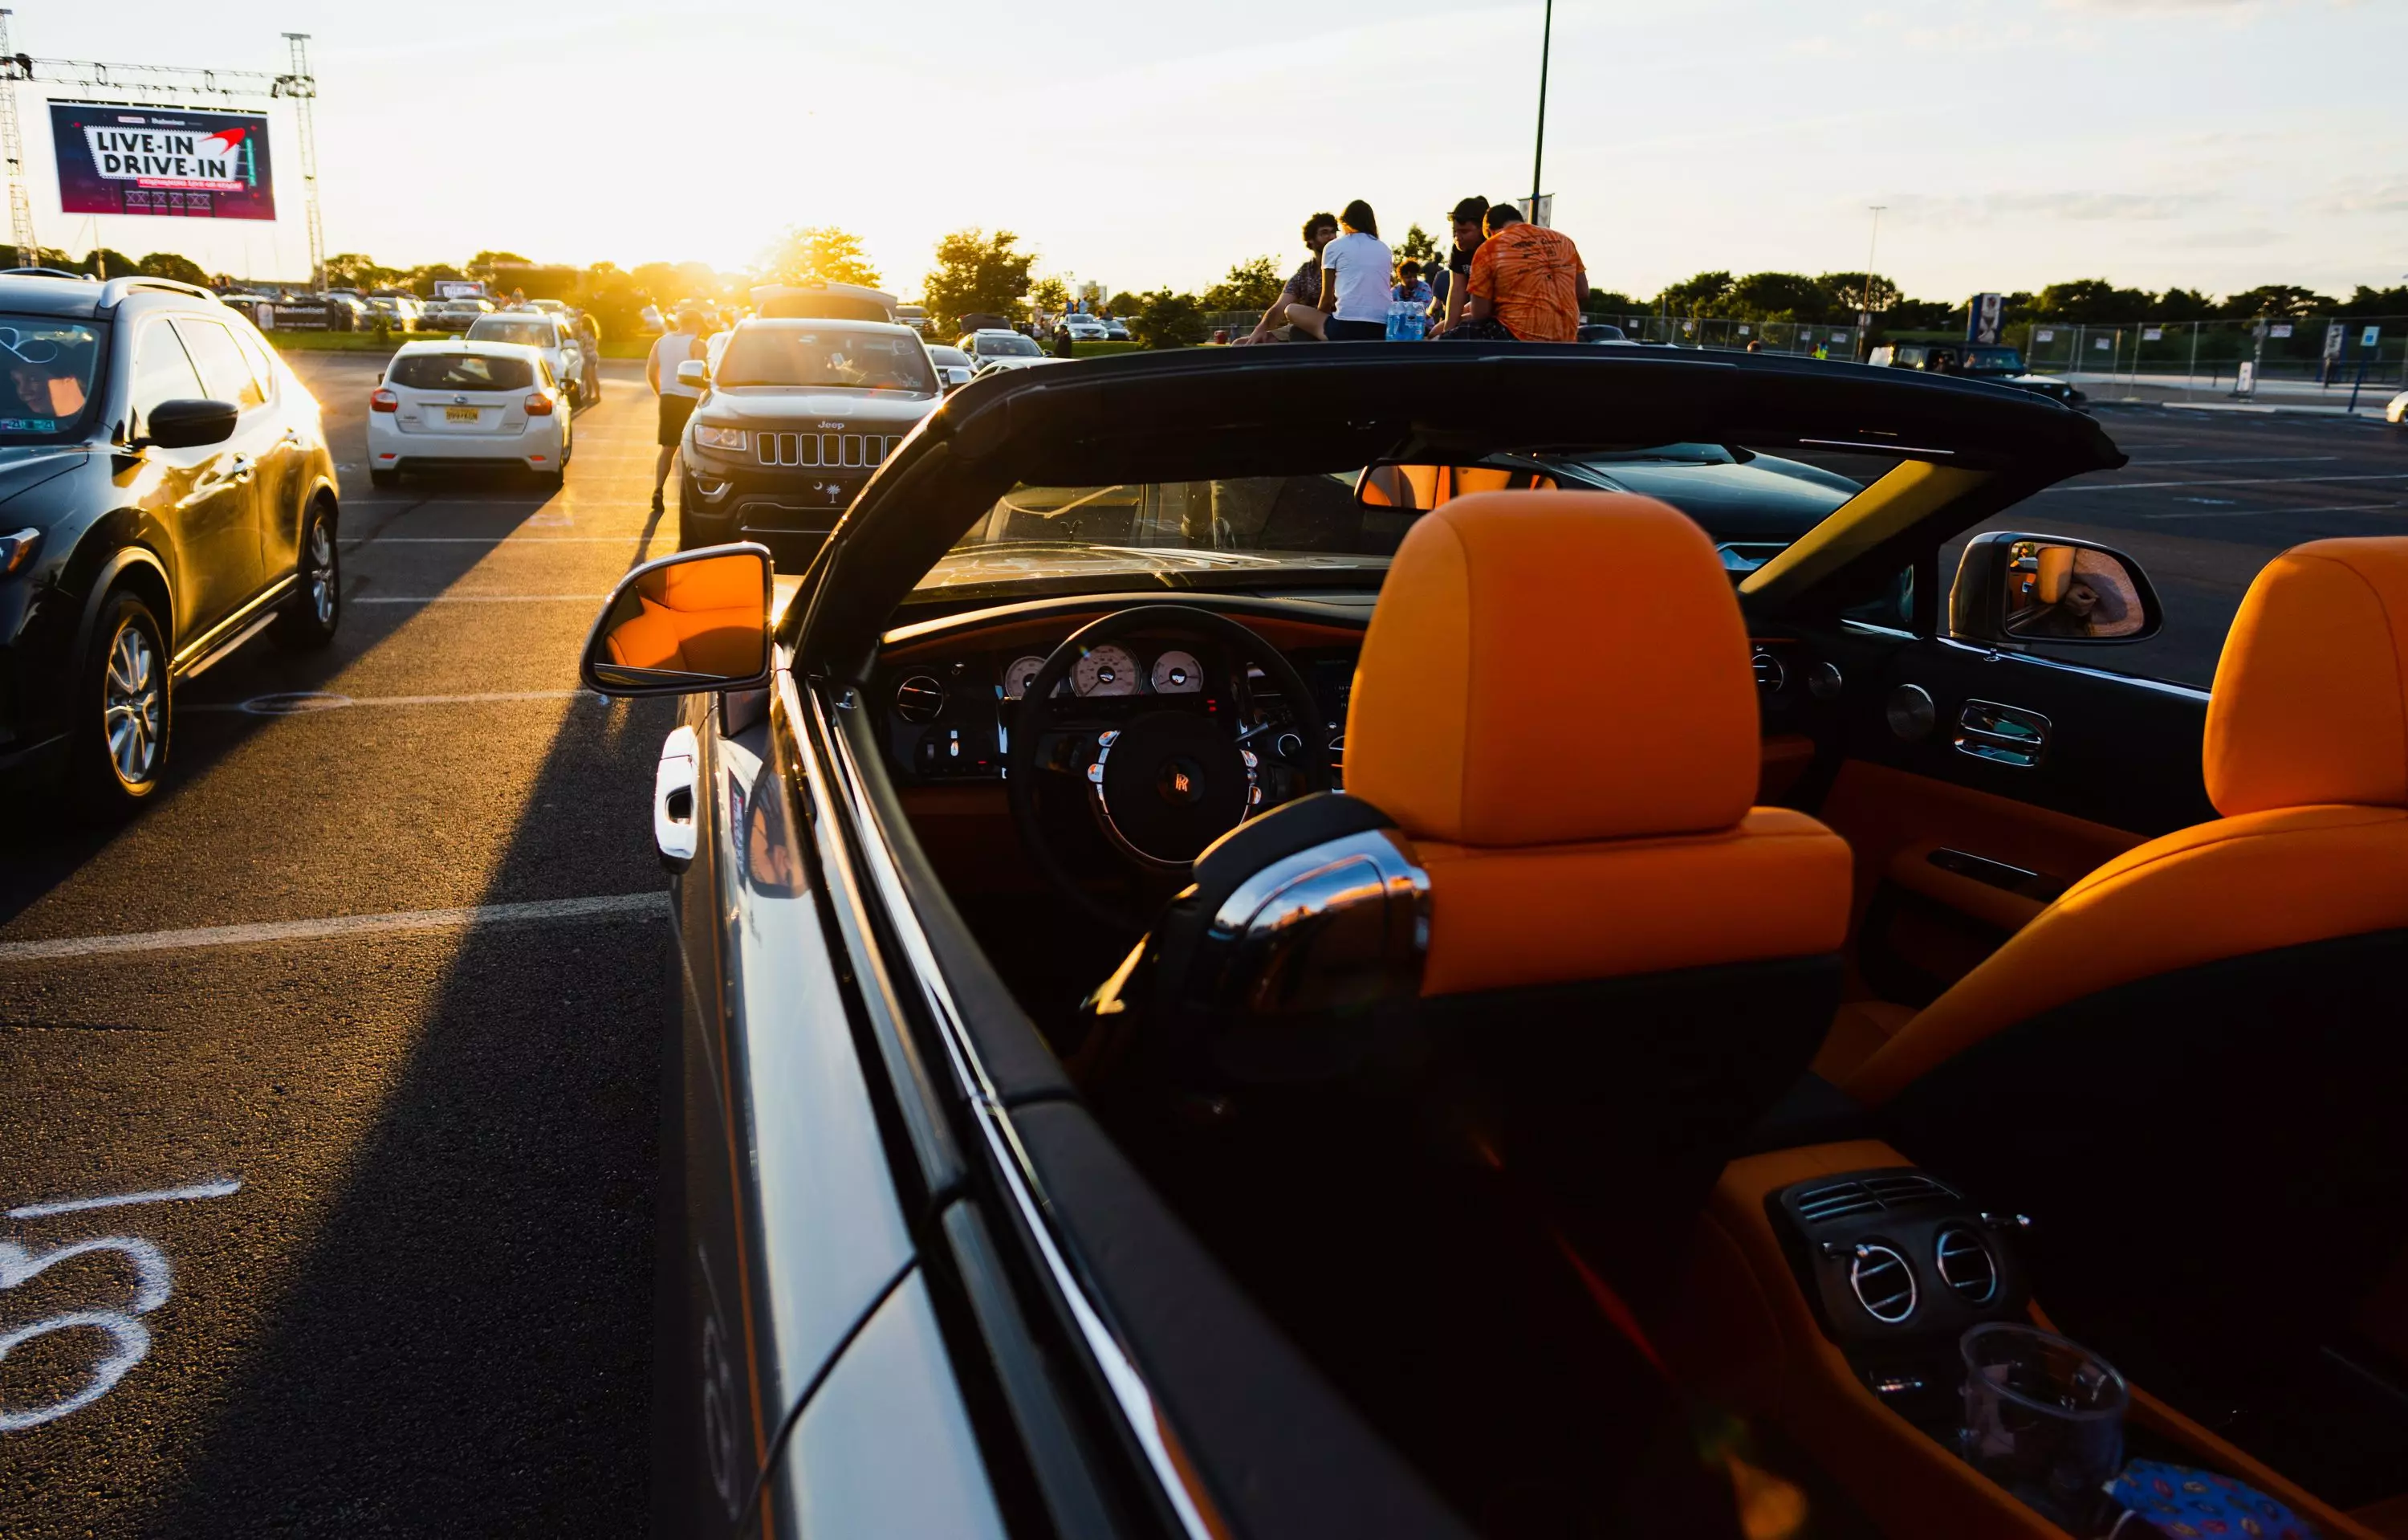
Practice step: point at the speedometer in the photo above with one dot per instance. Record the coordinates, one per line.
(1016, 678)
(1178, 673)
(1106, 669)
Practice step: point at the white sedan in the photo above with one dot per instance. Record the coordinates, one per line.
(1087, 328)
(546, 333)
(2398, 410)
(444, 405)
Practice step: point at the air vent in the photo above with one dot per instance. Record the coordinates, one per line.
(1965, 1264)
(1769, 675)
(919, 698)
(1883, 1282)
(1868, 1195)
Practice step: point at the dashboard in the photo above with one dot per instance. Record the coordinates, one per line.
(949, 705)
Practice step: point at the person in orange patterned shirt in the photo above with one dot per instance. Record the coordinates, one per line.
(1527, 283)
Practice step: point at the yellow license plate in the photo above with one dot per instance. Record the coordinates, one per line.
(460, 414)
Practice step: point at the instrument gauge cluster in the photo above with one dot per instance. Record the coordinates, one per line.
(1106, 669)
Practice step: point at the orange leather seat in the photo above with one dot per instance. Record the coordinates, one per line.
(1555, 704)
(2210, 1025)
(698, 617)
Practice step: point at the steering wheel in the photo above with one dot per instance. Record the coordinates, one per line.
(1162, 783)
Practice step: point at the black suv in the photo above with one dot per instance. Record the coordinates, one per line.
(165, 495)
(795, 416)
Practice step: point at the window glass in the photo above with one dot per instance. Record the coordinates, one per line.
(49, 365)
(225, 371)
(526, 334)
(798, 353)
(460, 371)
(263, 363)
(161, 371)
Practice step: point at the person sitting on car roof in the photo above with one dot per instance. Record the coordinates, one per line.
(1527, 283)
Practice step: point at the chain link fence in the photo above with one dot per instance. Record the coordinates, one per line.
(2325, 354)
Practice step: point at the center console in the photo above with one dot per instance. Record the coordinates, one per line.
(1825, 1294)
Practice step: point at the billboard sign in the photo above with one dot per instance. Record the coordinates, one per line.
(1984, 318)
(126, 158)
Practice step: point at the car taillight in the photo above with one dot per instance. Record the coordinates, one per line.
(383, 400)
(538, 404)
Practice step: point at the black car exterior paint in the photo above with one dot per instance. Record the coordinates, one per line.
(207, 536)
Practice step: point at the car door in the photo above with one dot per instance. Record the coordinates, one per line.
(198, 496)
(1974, 781)
(247, 457)
(280, 479)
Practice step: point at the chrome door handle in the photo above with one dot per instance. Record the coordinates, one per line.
(2004, 735)
(239, 469)
(675, 828)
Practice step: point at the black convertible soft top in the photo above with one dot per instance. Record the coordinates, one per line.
(1292, 410)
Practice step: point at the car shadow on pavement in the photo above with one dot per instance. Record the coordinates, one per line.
(462, 1345)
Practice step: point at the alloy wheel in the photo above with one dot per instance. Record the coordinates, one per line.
(322, 572)
(131, 704)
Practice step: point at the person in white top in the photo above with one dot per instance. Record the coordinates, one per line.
(682, 341)
(1357, 271)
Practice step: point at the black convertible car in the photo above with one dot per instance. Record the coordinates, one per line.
(1268, 948)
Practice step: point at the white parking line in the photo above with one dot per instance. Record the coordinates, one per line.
(308, 702)
(2261, 512)
(497, 540)
(643, 905)
(476, 598)
(224, 1187)
(2228, 481)
(2244, 460)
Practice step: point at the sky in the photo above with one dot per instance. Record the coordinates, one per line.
(2212, 144)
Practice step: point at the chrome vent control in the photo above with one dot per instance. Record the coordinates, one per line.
(919, 698)
(1770, 677)
(1883, 1282)
(1964, 1263)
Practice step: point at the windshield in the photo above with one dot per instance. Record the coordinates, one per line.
(461, 371)
(526, 334)
(1009, 344)
(1994, 360)
(824, 359)
(950, 358)
(51, 365)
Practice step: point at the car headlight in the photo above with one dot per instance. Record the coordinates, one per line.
(735, 440)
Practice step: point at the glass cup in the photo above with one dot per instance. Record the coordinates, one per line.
(2043, 1419)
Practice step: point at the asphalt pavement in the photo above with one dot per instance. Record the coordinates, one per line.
(361, 1022)
(2208, 499)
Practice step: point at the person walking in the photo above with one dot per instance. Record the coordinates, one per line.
(1469, 233)
(1303, 288)
(682, 341)
(1527, 283)
(1357, 274)
(589, 342)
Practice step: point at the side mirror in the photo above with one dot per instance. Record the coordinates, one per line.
(687, 623)
(695, 372)
(189, 424)
(2023, 588)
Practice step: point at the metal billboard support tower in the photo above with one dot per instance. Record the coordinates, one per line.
(303, 88)
(167, 85)
(13, 67)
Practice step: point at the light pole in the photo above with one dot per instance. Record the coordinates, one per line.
(1865, 315)
(1538, 154)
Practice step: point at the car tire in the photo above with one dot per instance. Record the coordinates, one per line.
(378, 476)
(316, 608)
(124, 709)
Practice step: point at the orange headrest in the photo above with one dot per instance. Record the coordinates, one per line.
(2055, 565)
(1548, 667)
(2311, 702)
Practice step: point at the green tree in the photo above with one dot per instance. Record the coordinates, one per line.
(2276, 299)
(1844, 295)
(976, 273)
(1417, 246)
(818, 254)
(2366, 301)
(351, 270)
(2183, 305)
(483, 261)
(1165, 319)
(1777, 296)
(1251, 286)
(2093, 301)
(102, 261)
(1609, 303)
(183, 269)
(422, 281)
(1050, 295)
(1703, 294)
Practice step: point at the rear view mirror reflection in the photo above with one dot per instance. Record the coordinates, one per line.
(694, 622)
(2068, 593)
